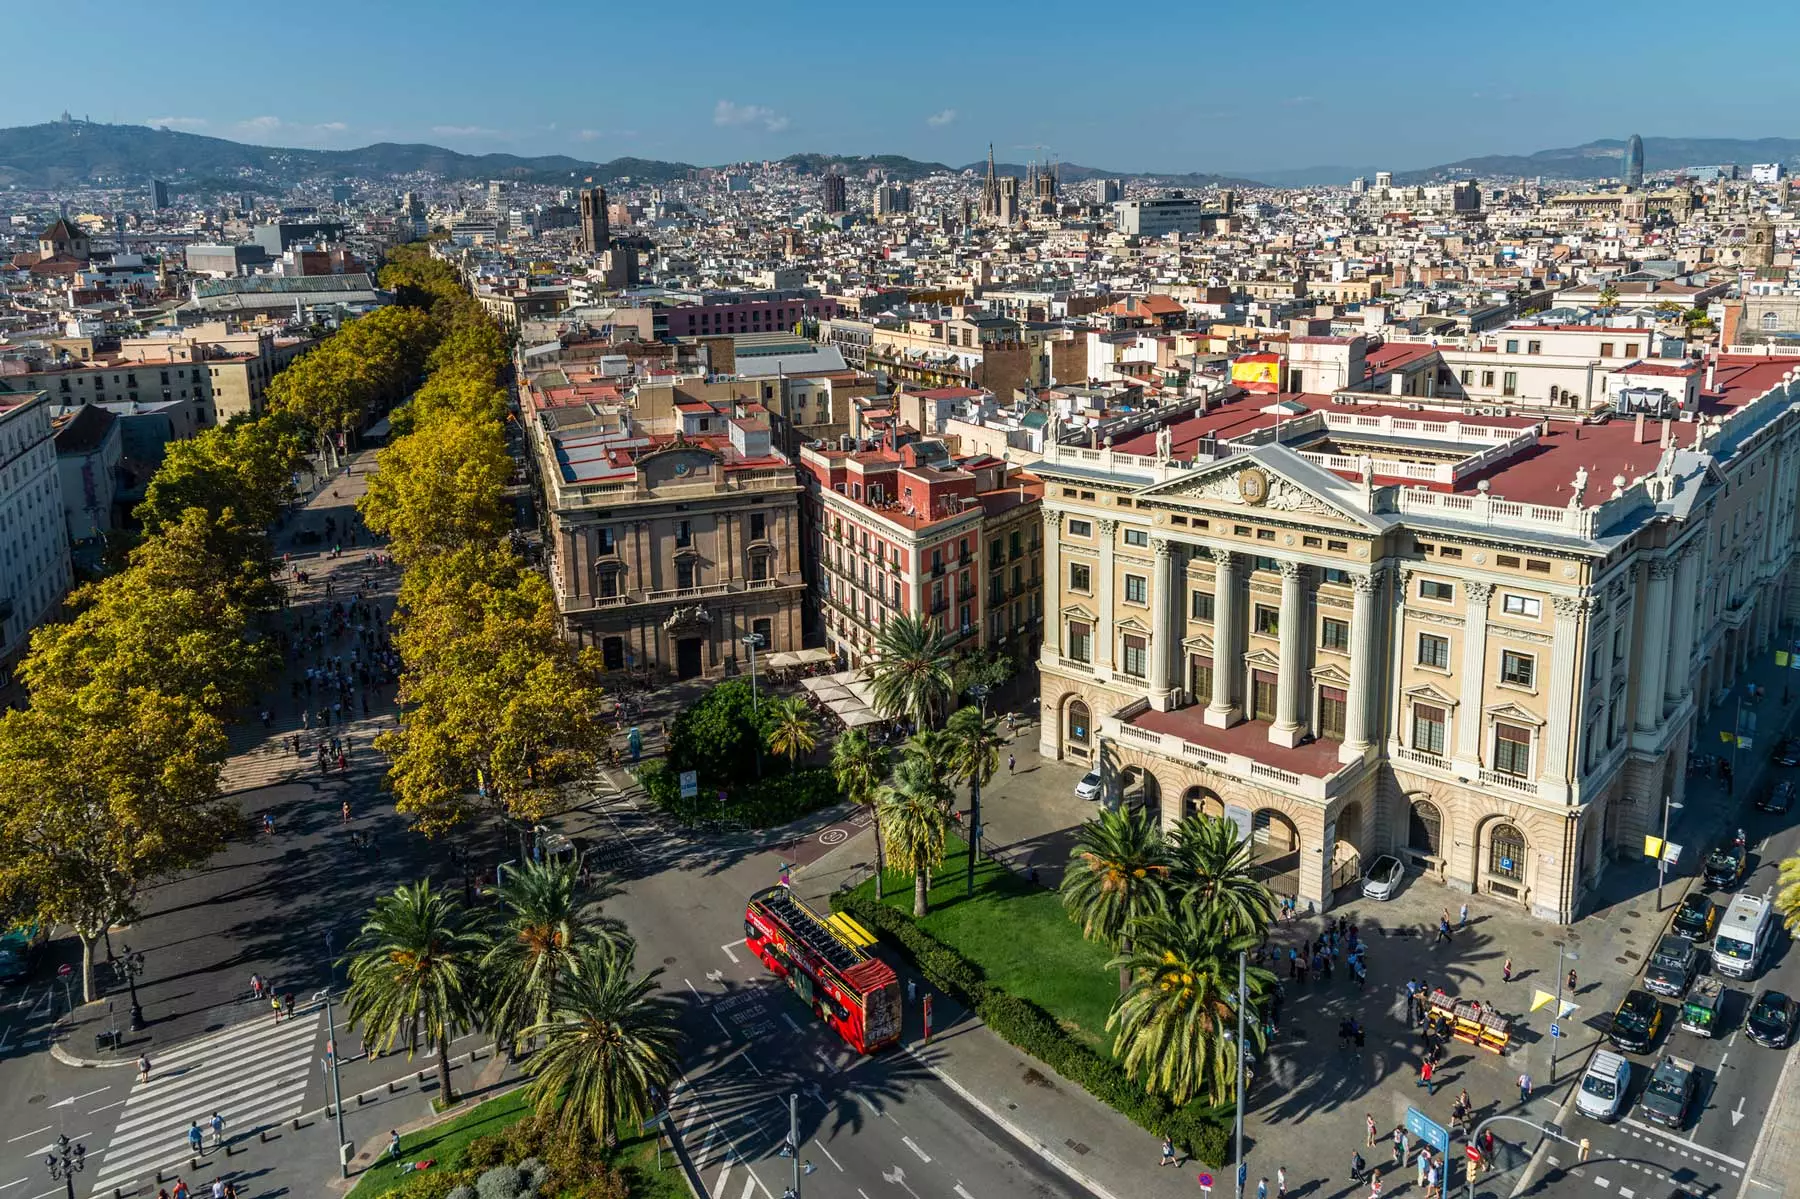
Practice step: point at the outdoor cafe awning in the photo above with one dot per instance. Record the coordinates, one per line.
(797, 657)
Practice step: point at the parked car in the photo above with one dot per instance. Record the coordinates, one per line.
(1778, 798)
(1771, 1020)
(1673, 964)
(1787, 752)
(1670, 1092)
(1695, 916)
(1383, 877)
(1603, 1086)
(20, 950)
(1724, 867)
(1636, 1023)
(1089, 786)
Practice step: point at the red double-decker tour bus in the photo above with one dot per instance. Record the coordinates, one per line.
(823, 960)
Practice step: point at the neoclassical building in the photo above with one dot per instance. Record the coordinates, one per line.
(1481, 642)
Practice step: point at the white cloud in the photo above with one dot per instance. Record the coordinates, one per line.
(595, 135)
(301, 132)
(729, 114)
(464, 131)
(177, 122)
(261, 124)
(331, 127)
(938, 120)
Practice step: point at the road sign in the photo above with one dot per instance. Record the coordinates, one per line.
(1206, 1180)
(1473, 1152)
(1428, 1130)
(1555, 1030)
(690, 784)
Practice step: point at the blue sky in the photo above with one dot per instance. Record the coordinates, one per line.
(1225, 88)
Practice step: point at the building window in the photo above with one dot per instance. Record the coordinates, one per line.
(1606, 349)
(1434, 651)
(1432, 589)
(1467, 377)
(1332, 708)
(759, 568)
(1509, 383)
(1518, 669)
(1512, 749)
(609, 583)
(1512, 345)
(1534, 347)
(1137, 537)
(1428, 729)
(1078, 723)
(1262, 695)
(1506, 852)
(1081, 577)
(684, 575)
(1200, 676)
(1134, 656)
(1136, 589)
(612, 653)
(1334, 634)
(759, 524)
(1268, 620)
(607, 545)
(1487, 378)
(684, 534)
(1521, 605)
(1425, 829)
(1333, 574)
(1081, 642)
(1200, 605)
(1631, 349)
(1081, 528)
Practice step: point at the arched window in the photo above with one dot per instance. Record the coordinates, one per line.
(1201, 801)
(1425, 829)
(1506, 852)
(1079, 733)
(1771, 321)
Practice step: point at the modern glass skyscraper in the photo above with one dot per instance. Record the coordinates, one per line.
(1634, 161)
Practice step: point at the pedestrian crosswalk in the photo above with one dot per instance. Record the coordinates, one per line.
(253, 1074)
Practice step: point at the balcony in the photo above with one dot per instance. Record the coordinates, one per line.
(1311, 771)
(1512, 782)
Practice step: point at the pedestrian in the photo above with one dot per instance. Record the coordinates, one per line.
(1425, 1075)
(1463, 922)
(1356, 1033)
(1262, 1188)
(1357, 1165)
(275, 1003)
(1375, 1184)
(346, 810)
(218, 1188)
(218, 1130)
(1168, 1152)
(1524, 1087)
(1443, 933)
(1371, 1123)
(1506, 971)
(1011, 762)
(143, 1067)
(194, 1136)
(269, 823)
(1281, 1182)
(1423, 1163)
(1431, 1180)
(181, 1189)
(1400, 1146)
(287, 1004)
(394, 1146)
(1572, 987)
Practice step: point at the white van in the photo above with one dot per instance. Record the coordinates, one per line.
(1603, 1086)
(1745, 936)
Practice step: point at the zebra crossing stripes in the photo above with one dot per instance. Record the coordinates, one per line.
(254, 1074)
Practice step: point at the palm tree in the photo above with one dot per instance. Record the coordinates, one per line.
(932, 747)
(1214, 876)
(536, 941)
(1609, 298)
(790, 725)
(609, 1046)
(859, 765)
(975, 743)
(412, 967)
(1177, 1022)
(915, 819)
(1117, 876)
(911, 669)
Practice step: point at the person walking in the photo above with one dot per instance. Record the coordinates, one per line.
(1423, 1162)
(143, 1067)
(1427, 1077)
(1572, 987)
(1375, 1184)
(1011, 764)
(1463, 920)
(1524, 1087)
(218, 1188)
(1262, 1188)
(1506, 971)
(1400, 1146)
(194, 1136)
(1443, 933)
(218, 1130)
(394, 1146)
(275, 1004)
(1281, 1182)
(1168, 1152)
(181, 1189)
(1371, 1123)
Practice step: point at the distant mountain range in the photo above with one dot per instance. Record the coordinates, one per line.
(77, 153)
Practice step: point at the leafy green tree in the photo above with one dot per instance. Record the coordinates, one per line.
(246, 468)
(536, 941)
(914, 811)
(1609, 298)
(981, 668)
(1787, 892)
(911, 670)
(1214, 875)
(790, 727)
(1176, 1023)
(440, 488)
(718, 735)
(609, 1046)
(1118, 875)
(415, 967)
(859, 765)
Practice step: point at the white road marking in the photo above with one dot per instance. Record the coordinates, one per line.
(729, 954)
(92, 1093)
(748, 1061)
(1627, 1193)
(1602, 1183)
(923, 1156)
(718, 1188)
(958, 1188)
(790, 1022)
(827, 1153)
(15, 1182)
(1669, 1136)
(32, 1133)
(749, 1187)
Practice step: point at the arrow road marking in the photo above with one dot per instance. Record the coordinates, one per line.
(713, 976)
(729, 954)
(1737, 1112)
(898, 1177)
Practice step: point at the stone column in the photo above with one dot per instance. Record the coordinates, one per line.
(1222, 712)
(1473, 672)
(1053, 584)
(1656, 620)
(1357, 730)
(1106, 635)
(1553, 755)
(1397, 729)
(1161, 628)
(1287, 729)
(1678, 671)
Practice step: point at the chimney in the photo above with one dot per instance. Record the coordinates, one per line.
(1637, 434)
(1711, 368)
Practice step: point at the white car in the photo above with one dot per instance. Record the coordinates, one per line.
(1381, 880)
(1603, 1086)
(1089, 786)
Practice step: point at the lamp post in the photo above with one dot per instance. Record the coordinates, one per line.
(1563, 954)
(979, 691)
(752, 641)
(337, 1093)
(1662, 856)
(132, 965)
(65, 1160)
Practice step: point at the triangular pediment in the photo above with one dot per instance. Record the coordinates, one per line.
(1426, 693)
(1332, 673)
(1199, 643)
(1514, 714)
(1264, 659)
(1078, 612)
(1273, 479)
(1132, 624)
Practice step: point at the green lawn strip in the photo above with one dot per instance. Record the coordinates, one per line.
(1021, 937)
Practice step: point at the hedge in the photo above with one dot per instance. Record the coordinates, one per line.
(767, 802)
(1029, 1028)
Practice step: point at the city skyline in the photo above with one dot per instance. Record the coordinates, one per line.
(1217, 110)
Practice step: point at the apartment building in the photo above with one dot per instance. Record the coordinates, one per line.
(900, 527)
(224, 371)
(1481, 643)
(35, 570)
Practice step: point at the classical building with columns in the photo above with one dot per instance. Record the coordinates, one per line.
(1479, 642)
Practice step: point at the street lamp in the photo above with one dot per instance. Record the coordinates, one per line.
(337, 1093)
(1662, 857)
(753, 640)
(979, 691)
(132, 965)
(1563, 954)
(65, 1161)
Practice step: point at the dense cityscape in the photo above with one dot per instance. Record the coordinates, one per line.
(854, 676)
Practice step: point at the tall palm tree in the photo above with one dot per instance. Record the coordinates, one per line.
(859, 765)
(975, 743)
(1214, 876)
(932, 747)
(609, 1046)
(535, 941)
(790, 725)
(1177, 1022)
(915, 819)
(414, 966)
(1117, 876)
(911, 669)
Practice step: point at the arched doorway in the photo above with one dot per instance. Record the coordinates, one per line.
(1425, 830)
(1503, 850)
(1202, 801)
(1275, 851)
(1078, 731)
(1138, 788)
(1346, 846)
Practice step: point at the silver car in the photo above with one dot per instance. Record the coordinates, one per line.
(1382, 879)
(1089, 786)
